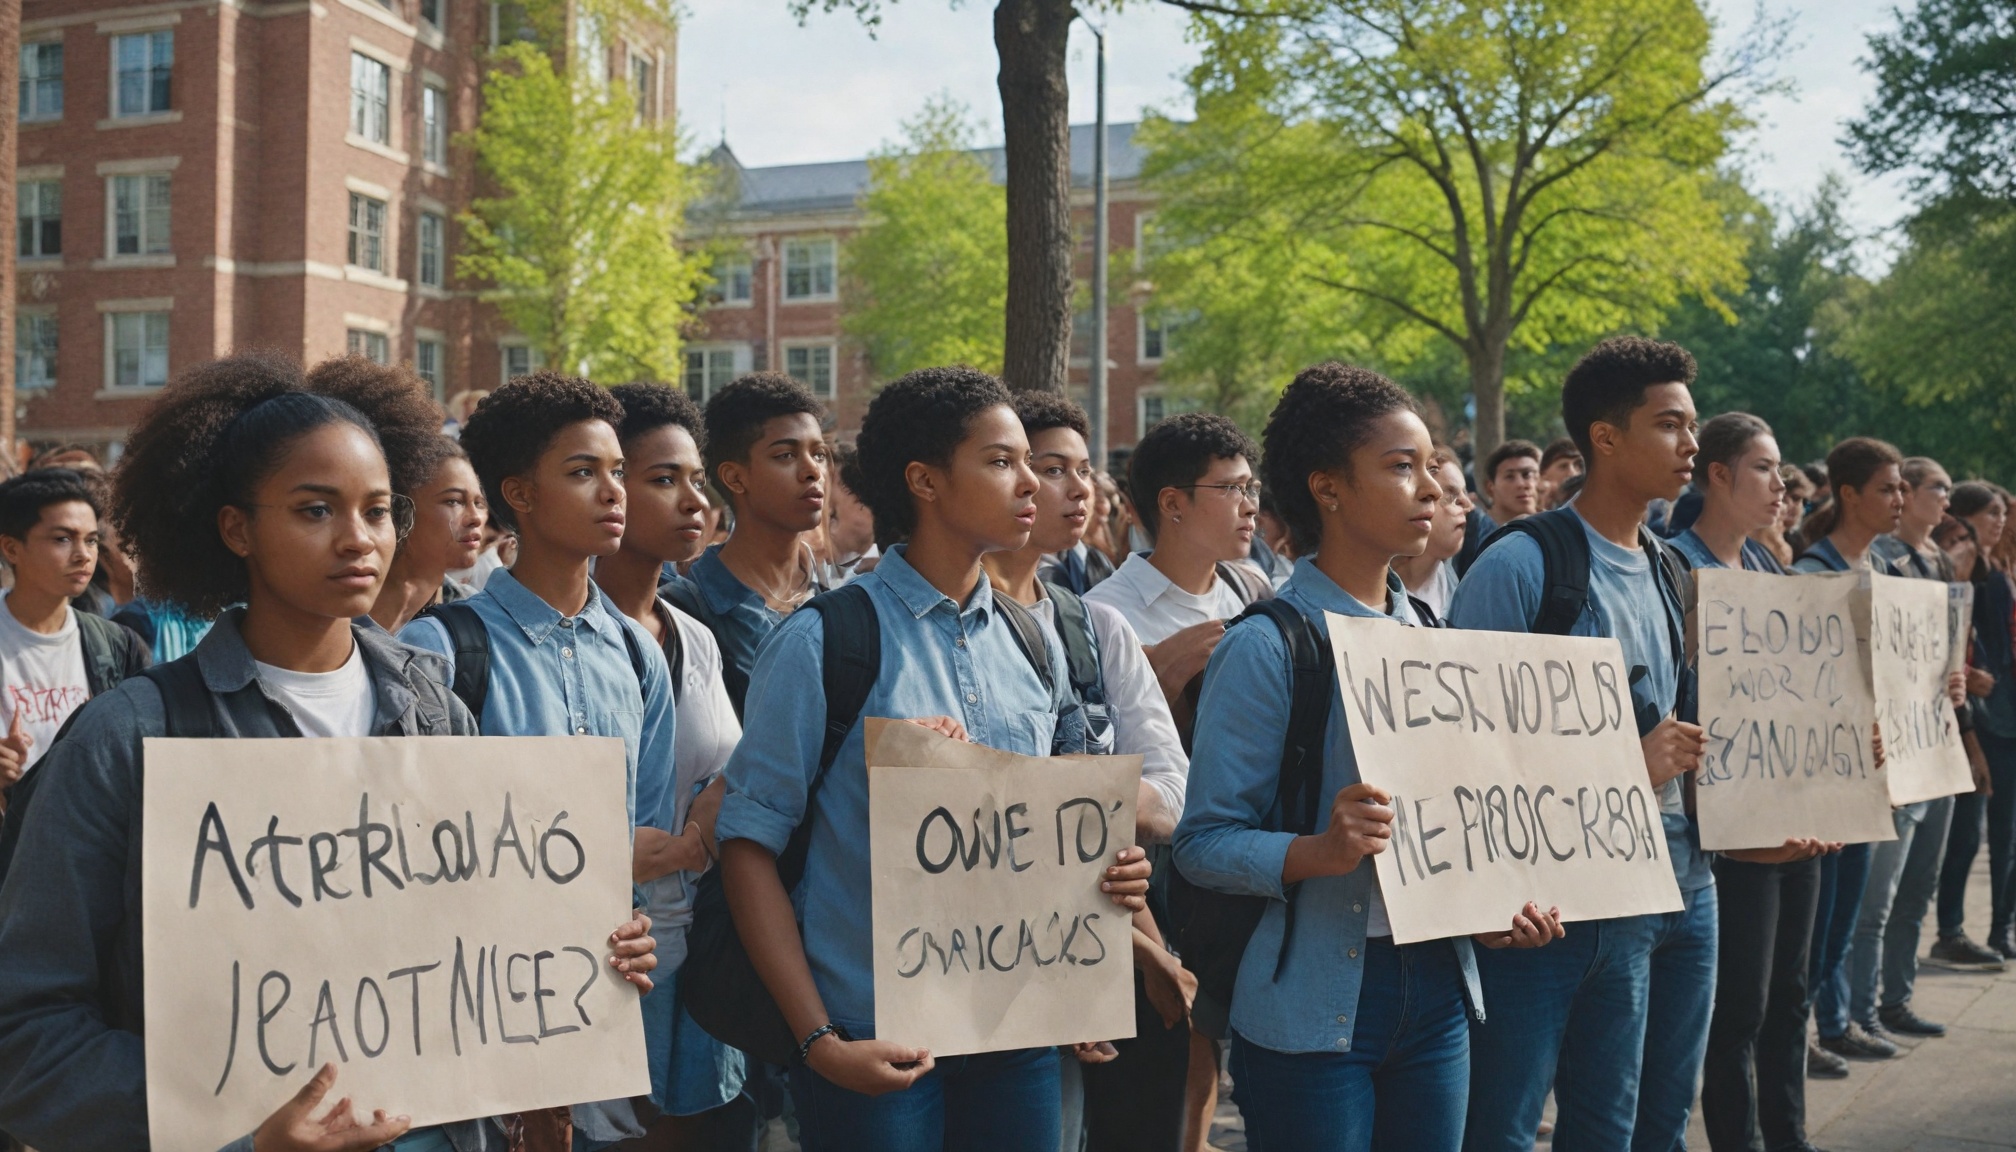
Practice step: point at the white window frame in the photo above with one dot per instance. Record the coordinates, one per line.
(34, 110)
(434, 129)
(359, 232)
(436, 376)
(440, 21)
(114, 319)
(150, 241)
(1171, 406)
(439, 253)
(22, 194)
(25, 378)
(154, 39)
(724, 277)
(814, 295)
(645, 95)
(809, 347)
(731, 361)
(505, 349)
(1144, 321)
(370, 111)
(366, 341)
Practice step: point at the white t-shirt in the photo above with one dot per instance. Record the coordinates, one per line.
(1141, 719)
(44, 677)
(706, 730)
(1438, 589)
(339, 703)
(1156, 608)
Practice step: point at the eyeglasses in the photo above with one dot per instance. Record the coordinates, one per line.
(1232, 491)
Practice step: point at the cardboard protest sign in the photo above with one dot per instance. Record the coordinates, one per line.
(1516, 775)
(1787, 706)
(431, 914)
(990, 930)
(1910, 649)
(1959, 625)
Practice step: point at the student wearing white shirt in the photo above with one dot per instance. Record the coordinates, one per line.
(1431, 576)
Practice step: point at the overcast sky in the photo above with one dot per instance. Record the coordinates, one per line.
(827, 91)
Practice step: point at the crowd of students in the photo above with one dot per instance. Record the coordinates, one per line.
(307, 553)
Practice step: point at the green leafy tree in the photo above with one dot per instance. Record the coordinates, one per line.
(1945, 102)
(927, 275)
(577, 234)
(1505, 176)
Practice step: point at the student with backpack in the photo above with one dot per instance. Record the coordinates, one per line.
(696, 1081)
(238, 488)
(1614, 1020)
(768, 458)
(944, 466)
(1754, 1086)
(53, 658)
(1137, 1100)
(1341, 1039)
(542, 651)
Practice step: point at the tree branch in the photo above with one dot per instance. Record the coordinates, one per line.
(1396, 303)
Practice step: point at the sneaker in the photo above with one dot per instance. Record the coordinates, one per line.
(2004, 942)
(1900, 1019)
(1859, 1045)
(1824, 1065)
(1961, 952)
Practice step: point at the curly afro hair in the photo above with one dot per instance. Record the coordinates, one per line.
(207, 442)
(1323, 416)
(651, 406)
(737, 413)
(514, 424)
(399, 405)
(921, 416)
(1179, 451)
(1042, 411)
(1610, 380)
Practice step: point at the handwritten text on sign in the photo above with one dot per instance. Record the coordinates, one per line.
(1516, 775)
(430, 914)
(1787, 706)
(1910, 647)
(990, 929)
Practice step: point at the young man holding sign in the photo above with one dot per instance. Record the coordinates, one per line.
(1616, 1019)
(1343, 1041)
(945, 465)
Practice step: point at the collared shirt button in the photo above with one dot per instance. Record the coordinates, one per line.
(1343, 1019)
(569, 654)
(1352, 953)
(567, 622)
(1357, 907)
(972, 699)
(581, 731)
(959, 643)
(1344, 1043)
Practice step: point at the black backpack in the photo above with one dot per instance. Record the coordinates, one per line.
(685, 595)
(718, 984)
(1081, 654)
(470, 638)
(1213, 928)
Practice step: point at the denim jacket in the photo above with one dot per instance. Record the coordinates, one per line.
(73, 1071)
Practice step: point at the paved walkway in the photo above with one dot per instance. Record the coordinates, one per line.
(1956, 1093)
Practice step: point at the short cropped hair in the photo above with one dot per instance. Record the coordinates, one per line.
(1509, 450)
(921, 416)
(737, 413)
(649, 407)
(1560, 448)
(515, 424)
(1610, 380)
(1044, 410)
(1179, 451)
(23, 497)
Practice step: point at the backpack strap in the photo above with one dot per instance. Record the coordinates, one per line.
(471, 641)
(1564, 556)
(112, 652)
(1081, 644)
(185, 699)
(686, 596)
(1251, 585)
(675, 653)
(1423, 612)
(1029, 637)
(851, 635)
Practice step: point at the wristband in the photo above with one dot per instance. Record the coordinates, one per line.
(805, 1048)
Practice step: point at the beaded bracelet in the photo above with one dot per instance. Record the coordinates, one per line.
(805, 1049)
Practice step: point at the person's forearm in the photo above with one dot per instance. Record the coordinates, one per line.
(769, 931)
(1310, 856)
(1153, 822)
(657, 853)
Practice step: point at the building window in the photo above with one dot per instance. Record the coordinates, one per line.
(142, 64)
(734, 281)
(708, 370)
(809, 269)
(813, 365)
(433, 230)
(1156, 407)
(139, 352)
(508, 22)
(38, 207)
(434, 125)
(34, 350)
(644, 86)
(140, 215)
(1151, 338)
(367, 232)
(373, 346)
(591, 50)
(518, 361)
(427, 364)
(42, 80)
(430, 13)
(370, 99)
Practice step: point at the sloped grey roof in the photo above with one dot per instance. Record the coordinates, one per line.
(792, 188)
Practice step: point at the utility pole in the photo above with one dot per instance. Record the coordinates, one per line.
(1100, 241)
(10, 112)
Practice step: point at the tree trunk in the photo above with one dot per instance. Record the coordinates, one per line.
(1487, 388)
(10, 111)
(1031, 37)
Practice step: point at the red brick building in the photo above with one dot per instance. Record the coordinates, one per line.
(198, 176)
(779, 300)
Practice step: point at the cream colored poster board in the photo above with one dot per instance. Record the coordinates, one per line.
(430, 914)
(990, 930)
(1910, 649)
(1516, 775)
(1787, 706)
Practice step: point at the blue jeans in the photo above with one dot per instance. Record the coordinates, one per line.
(988, 1102)
(1569, 1017)
(1903, 875)
(1843, 877)
(1964, 843)
(1681, 1000)
(1402, 1085)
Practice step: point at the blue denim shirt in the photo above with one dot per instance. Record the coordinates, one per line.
(1235, 769)
(938, 659)
(552, 675)
(746, 621)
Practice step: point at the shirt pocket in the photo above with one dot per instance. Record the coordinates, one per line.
(1036, 732)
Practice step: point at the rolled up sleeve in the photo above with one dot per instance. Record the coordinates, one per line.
(771, 771)
(1235, 767)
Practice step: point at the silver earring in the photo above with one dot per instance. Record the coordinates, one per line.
(1333, 507)
(1179, 519)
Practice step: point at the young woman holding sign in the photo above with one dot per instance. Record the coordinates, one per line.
(1355, 1042)
(238, 487)
(945, 466)
(1756, 1066)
